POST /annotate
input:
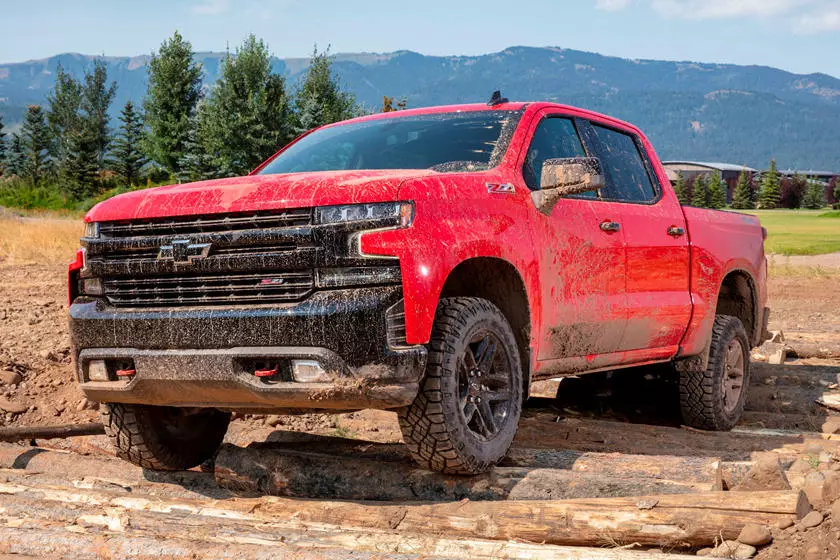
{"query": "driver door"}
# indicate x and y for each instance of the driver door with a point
(582, 259)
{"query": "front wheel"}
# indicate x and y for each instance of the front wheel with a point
(465, 416)
(714, 399)
(164, 438)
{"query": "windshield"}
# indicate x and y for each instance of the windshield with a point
(447, 142)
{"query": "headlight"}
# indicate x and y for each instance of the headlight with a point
(92, 230)
(389, 213)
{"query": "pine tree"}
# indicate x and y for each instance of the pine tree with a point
(35, 145)
(246, 118)
(681, 188)
(771, 190)
(15, 159)
(814, 196)
(64, 101)
(321, 85)
(195, 163)
(310, 116)
(743, 196)
(3, 149)
(173, 92)
(700, 196)
(97, 96)
(127, 160)
(717, 192)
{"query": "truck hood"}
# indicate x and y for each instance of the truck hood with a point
(254, 193)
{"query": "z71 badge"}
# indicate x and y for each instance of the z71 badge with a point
(503, 188)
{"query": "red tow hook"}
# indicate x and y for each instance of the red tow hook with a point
(126, 372)
(265, 372)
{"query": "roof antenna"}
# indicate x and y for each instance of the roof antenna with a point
(497, 99)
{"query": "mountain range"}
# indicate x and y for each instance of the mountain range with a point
(691, 111)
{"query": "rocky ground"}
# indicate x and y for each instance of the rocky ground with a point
(613, 414)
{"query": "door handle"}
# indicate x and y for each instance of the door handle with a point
(610, 227)
(675, 231)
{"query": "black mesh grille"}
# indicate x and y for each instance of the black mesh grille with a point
(209, 289)
(201, 224)
(230, 259)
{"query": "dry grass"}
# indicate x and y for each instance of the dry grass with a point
(38, 239)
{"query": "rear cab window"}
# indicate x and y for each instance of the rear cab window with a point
(627, 171)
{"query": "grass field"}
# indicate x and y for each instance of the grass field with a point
(801, 232)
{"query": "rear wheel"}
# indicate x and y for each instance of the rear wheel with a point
(464, 418)
(714, 399)
(164, 437)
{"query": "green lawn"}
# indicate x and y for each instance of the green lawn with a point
(801, 232)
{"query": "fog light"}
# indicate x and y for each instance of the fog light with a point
(92, 287)
(308, 371)
(98, 371)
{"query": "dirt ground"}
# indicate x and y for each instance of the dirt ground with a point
(34, 346)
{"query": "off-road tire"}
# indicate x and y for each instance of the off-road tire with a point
(164, 438)
(434, 426)
(701, 392)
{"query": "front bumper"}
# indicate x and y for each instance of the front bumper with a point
(204, 356)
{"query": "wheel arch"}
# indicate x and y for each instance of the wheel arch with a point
(499, 282)
(738, 296)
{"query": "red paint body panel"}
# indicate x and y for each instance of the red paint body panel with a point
(596, 299)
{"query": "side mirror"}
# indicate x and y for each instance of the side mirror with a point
(564, 177)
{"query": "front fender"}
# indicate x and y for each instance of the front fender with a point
(446, 232)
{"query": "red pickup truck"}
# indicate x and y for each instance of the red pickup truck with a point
(434, 262)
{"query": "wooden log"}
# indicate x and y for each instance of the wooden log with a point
(26, 433)
(660, 521)
(670, 520)
(191, 535)
(280, 471)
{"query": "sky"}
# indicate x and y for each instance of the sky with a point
(801, 36)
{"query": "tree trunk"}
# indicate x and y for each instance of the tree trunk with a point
(48, 432)
(281, 471)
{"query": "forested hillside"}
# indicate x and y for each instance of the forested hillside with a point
(740, 114)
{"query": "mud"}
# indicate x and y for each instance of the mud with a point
(631, 413)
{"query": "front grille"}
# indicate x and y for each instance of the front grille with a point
(209, 289)
(244, 258)
(201, 224)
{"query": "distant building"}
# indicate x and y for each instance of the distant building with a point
(692, 169)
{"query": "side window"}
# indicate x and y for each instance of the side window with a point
(554, 138)
(627, 177)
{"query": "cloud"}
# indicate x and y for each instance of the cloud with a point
(722, 9)
(819, 22)
(211, 7)
(806, 17)
(612, 5)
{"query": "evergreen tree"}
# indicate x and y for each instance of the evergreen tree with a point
(97, 96)
(814, 196)
(195, 163)
(127, 160)
(742, 199)
(3, 149)
(173, 92)
(321, 85)
(700, 196)
(64, 101)
(717, 192)
(245, 119)
(835, 189)
(35, 145)
(15, 158)
(681, 188)
(771, 189)
(311, 115)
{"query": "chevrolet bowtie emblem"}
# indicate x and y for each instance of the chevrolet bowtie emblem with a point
(184, 252)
